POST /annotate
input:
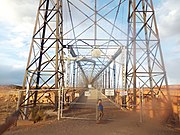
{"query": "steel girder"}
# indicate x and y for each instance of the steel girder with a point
(90, 28)
(145, 66)
(84, 27)
(45, 64)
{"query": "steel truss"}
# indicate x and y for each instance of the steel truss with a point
(45, 64)
(94, 31)
(81, 42)
(145, 66)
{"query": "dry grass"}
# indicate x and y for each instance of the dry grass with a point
(8, 101)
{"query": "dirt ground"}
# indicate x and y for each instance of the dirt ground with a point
(8, 101)
(115, 122)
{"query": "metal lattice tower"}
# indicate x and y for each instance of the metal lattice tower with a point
(81, 42)
(45, 63)
(145, 64)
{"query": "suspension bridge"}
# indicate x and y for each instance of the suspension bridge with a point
(82, 51)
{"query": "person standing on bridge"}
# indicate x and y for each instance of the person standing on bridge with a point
(100, 109)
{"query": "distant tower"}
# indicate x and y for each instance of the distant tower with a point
(145, 66)
(45, 63)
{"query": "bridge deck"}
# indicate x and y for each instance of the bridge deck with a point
(85, 107)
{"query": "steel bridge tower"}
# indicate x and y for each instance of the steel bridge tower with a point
(45, 64)
(144, 66)
(63, 46)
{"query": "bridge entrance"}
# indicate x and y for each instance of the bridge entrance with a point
(85, 105)
(81, 47)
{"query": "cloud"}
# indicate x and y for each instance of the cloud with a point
(17, 18)
(169, 18)
(17, 11)
(9, 75)
(173, 70)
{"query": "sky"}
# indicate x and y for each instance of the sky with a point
(17, 18)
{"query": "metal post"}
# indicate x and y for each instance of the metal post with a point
(96, 105)
(19, 99)
(57, 45)
(59, 104)
(109, 77)
(114, 73)
(134, 54)
(77, 77)
(105, 78)
(68, 69)
(62, 101)
(141, 100)
(123, 68)
(95, 22)
(26, 99)
(74, 74)
(57, 56)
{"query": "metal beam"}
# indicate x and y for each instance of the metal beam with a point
(86, 59)
(78, 63)
(112, 59)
